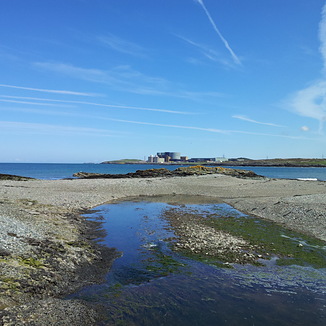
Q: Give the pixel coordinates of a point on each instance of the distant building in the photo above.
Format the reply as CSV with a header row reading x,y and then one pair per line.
x,y
157,159
166,157
239,159
208,159
169,156
221,159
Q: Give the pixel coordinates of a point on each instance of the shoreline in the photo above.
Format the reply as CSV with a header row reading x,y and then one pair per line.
x,y
225,164
37,215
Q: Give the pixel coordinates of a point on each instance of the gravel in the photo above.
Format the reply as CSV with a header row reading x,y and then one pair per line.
x,y
43,216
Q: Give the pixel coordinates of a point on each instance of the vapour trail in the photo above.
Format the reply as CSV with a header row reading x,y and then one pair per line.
x,y
89,103
64,92
34,103
244,118
221,131
226,44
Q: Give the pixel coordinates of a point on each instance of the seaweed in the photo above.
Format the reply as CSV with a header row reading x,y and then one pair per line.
x,y
271,239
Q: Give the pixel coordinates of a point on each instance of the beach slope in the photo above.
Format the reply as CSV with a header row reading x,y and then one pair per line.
x,y
46,247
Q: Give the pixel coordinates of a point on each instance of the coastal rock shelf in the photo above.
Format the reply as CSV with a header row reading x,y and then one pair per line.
x,y
14,177
179,172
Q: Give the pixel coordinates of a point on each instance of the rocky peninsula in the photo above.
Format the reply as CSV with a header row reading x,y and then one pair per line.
x,y
47,247
165,173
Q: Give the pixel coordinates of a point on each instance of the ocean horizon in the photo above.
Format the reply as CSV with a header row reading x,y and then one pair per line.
x,y
54,171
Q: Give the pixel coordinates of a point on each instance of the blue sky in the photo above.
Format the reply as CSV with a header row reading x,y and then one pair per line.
x,y
95,80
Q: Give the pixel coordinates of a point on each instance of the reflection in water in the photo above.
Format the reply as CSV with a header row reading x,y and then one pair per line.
x,y
151,285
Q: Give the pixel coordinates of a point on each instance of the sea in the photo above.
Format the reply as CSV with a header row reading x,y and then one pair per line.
x,y
55,171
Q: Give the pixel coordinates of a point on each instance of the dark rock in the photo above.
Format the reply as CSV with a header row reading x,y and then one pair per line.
x,y
14,177
179,172
4,252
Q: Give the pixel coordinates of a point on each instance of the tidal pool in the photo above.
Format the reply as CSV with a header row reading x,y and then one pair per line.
x,y
152,285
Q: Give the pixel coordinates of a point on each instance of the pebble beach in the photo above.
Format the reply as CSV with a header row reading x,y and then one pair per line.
x,y
46,247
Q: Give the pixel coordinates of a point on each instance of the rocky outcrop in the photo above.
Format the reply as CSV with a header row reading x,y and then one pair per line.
x,y
203,170
14,177
179,172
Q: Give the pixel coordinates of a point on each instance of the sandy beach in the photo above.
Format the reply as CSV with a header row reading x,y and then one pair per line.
x,y
298,204
44,236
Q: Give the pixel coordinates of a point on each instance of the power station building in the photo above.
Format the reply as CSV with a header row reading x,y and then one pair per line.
x,y
155,159
166,157
169,156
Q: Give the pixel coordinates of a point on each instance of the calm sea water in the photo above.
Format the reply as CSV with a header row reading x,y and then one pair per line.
x,y
59,171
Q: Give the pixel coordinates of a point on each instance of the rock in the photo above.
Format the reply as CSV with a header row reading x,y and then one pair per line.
x,y
14,177
179,172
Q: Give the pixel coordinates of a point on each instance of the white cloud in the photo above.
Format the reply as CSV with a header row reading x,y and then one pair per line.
x,y
122,78
55,91
94,75
17,127
225,42
311,101
322,35
126,79
121,45
305,128
244,118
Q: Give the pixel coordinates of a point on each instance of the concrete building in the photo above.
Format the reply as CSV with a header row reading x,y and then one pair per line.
x,y
221,159
169,156
166,157
157,159
208,159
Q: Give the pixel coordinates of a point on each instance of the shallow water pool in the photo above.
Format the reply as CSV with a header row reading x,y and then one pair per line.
x,y
152,285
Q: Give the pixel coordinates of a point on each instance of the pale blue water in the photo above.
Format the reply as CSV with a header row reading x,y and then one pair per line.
x,y
60,171
152,285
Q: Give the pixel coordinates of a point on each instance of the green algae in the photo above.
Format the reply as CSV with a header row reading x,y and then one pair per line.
x,y
162,264
221,262
31,262
9,283
270,239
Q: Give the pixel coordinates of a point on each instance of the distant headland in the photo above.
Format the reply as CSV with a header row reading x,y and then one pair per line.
x,y
280,162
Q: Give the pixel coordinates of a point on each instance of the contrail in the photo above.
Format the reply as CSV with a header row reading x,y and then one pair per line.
x,y
234,56
13,99
244,118
49,90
